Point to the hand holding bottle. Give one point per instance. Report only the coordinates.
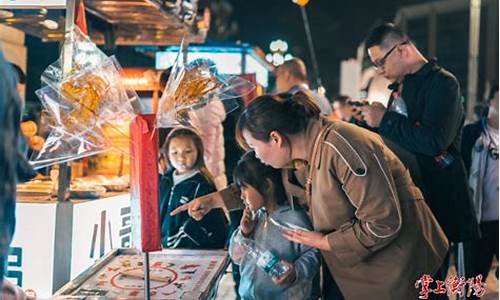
(288, 277)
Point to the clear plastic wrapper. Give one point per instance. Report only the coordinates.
(82, 53)
(192, 86)
(80, 101)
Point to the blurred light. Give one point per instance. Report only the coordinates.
(321, 90)
(55, 35)
(301, 2)
(269, 57)
(50, 24)
(135, 81)
(288, 56)
(273, 46)
(278, 46)
(6, 14)
(282, 46)
(278, 59)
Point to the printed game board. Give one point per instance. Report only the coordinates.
(174, 274)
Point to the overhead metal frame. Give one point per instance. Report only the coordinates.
(123, 22)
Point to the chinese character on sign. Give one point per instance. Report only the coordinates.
(14, 266)
(126, 227)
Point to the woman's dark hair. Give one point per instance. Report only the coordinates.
(267, 180)
(286, 113)
(198, 143)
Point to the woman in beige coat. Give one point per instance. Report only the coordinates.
(376, 234)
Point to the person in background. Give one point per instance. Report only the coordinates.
(24, 170)
(291, 77)
(21, 81)
(186, 179)
(347, 110)
(341, 108)
(480, 154)
(231, 158)
(362, 201)
(425, 116)
(265, 198)
(10, 114)
(208, 122)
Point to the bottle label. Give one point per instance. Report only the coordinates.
(267, 261)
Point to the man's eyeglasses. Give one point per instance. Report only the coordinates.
(379, 64)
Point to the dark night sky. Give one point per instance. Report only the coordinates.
(337, 28)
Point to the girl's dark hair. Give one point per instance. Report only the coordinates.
(250, 171)
(286, 113)
(198, 143)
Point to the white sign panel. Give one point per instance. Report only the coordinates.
(350, 73)
(23, 4)
(98, 227)
(227, 63)
(31, 256)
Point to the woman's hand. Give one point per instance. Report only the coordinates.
(199, 207)
(289, 276)
(309, 238)
(247, 223)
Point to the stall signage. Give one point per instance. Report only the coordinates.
(31, 256)
(98, 227)
(32, 4)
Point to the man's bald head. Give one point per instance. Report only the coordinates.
(295, 67)
(292, 72)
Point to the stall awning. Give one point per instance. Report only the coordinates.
(121, 22)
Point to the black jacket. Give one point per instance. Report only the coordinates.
(434, 126)
(181, 231)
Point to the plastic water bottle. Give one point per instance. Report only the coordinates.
(268, 262)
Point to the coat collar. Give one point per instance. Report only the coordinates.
(421, 73)
(312, 131)
(424, 70)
